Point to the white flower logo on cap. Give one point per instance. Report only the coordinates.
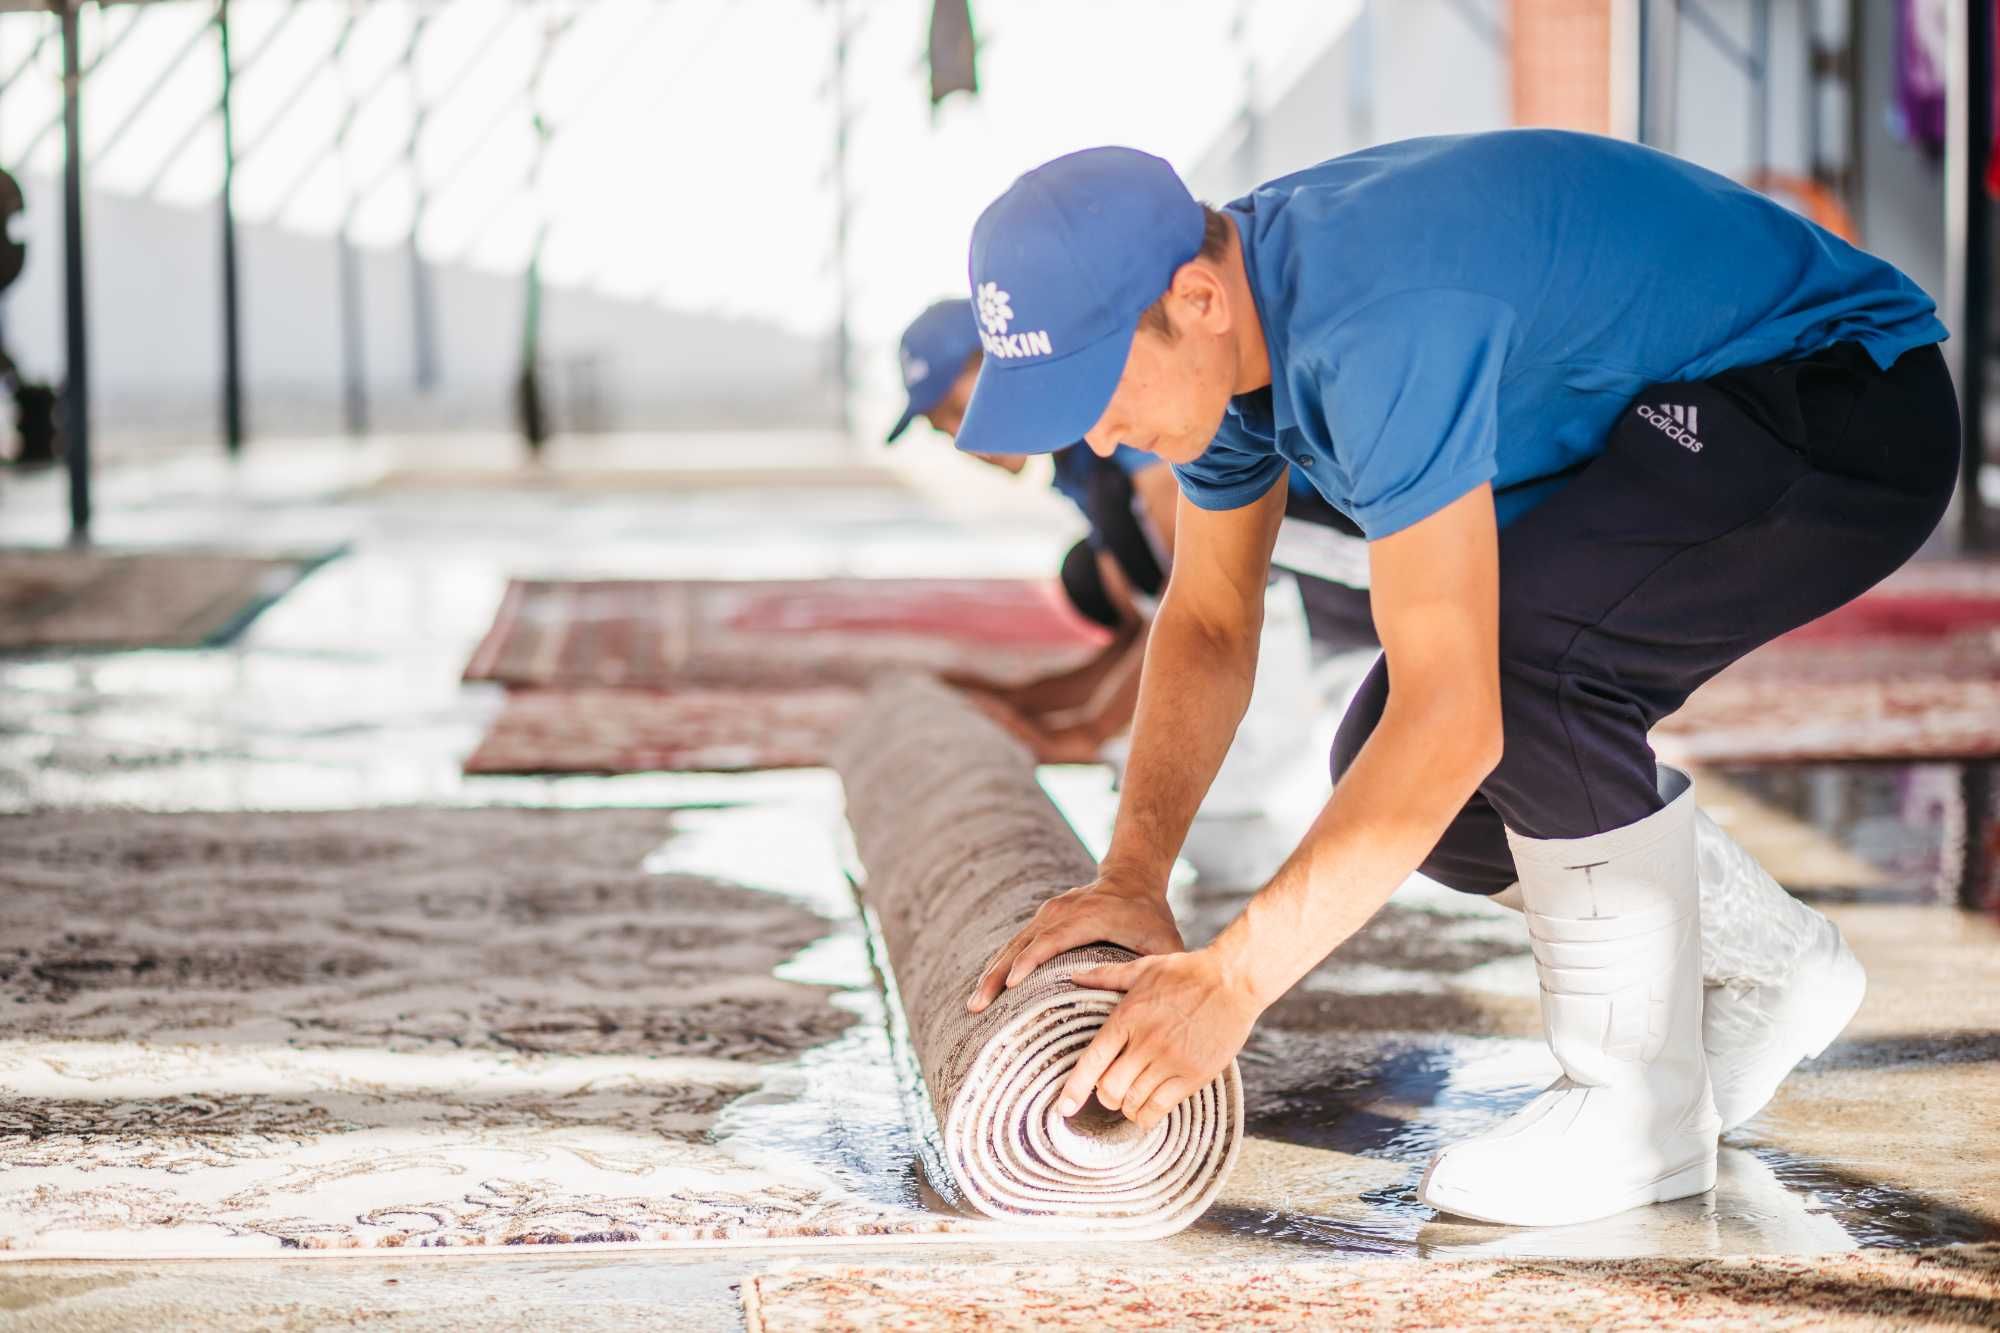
(915, 368)
(994, 311)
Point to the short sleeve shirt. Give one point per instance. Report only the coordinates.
(1453, 311)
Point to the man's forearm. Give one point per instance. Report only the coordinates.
(1193, 690)
(1409, 781)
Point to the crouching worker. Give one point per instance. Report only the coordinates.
(1609, 422)
(1112, 577)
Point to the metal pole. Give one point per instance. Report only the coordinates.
(422, 316)
(1978, 265)
(1760, 57)
(530, 400)
(232, 308)
(103, 52)
(76, 373)
(1812, 83)
(1643, 111)
(353, 368)
(1968, 234)
(843, 337)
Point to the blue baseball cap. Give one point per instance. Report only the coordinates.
(1063, 265)
(934, 349)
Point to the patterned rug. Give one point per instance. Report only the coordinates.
(1909, 671)
(777, 634)
(694, 729)
(1933, 1289)
(162, 599)
(244, 1034)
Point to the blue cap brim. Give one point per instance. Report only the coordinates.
(1043, 406)
(902, 424)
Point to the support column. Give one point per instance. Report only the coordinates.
(353, 334)
(843, 206)
(1968, 145)
(232, 339)
(76, 371)
(423, 319)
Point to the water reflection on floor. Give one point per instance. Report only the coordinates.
(1421, 1030)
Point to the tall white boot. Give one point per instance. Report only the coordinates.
(1615, 922)
(1779, 981)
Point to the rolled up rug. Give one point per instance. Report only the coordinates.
(957, 846)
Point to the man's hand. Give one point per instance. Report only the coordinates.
(1183, 1019)
(1104, 910)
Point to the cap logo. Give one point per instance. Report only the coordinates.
(996, 312)
(915, 368)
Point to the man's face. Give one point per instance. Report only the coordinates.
(949, 414)
(1172, 396)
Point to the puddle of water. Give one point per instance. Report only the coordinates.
(838, 1116)
(1915, 822)
(1875, 1214)
(835, 1116)
(790, 848)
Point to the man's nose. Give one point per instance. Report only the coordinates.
(1102, 441)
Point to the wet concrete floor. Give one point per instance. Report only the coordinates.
(346, 694)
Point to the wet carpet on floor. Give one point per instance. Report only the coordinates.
(240, 1034)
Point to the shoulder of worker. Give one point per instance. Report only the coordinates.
(1342, 238)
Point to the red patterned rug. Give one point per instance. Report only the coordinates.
(778, 634)
(691, 729)
(1911, 671)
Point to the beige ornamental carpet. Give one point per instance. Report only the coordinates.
(245, 1034)
(1873, 1289)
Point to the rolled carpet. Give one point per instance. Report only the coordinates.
(957, 847)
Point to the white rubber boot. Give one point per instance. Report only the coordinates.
(1779, 982)
(1615, 922)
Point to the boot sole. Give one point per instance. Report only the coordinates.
(1842, 1003)
(1695, 1178)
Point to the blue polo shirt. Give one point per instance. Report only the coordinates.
(1480, 308)
(1075, 466)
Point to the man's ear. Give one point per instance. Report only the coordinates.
(1202, 297)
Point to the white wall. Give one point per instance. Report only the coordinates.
(1414, 67)
(154, 292)
(1404, 68)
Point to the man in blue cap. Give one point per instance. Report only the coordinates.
(1112, 576)
(1608, 422)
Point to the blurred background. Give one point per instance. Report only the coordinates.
(543, 218)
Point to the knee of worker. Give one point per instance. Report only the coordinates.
(1363, 712)
(1083, 584)
(1575, 760)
